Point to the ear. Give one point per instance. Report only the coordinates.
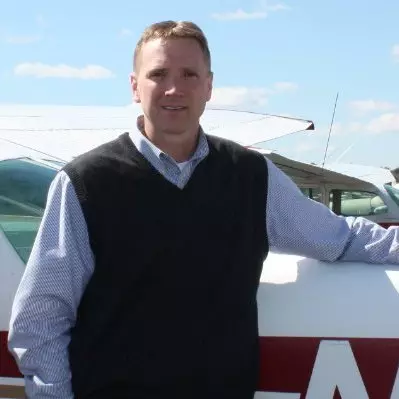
(210, 86)
(134, 86)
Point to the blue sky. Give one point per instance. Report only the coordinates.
(276, 57)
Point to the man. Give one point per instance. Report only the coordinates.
(143, 278)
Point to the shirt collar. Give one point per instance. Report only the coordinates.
(145, 146)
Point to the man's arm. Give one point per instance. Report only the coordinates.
(298, 225)
(47, 298)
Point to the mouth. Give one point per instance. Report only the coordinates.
(173, 108)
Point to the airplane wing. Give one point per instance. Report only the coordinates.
(65, 132)
(62, 145)
(372, 174)
(250, 128)
(59, 132)
(302, 172)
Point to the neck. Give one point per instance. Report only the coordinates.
(178, 146)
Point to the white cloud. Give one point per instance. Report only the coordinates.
(355, 127)
(40, 70)
(363, 107)
(395, 52)
(284, 87)
(240, 14)
(278, 7)
(337, 129)
(239, 97)
(340, 129)
(385, 123)
(22, 39)
(388, 122)
(125, 32)
(248, 98)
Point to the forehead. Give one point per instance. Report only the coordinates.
(165, 53)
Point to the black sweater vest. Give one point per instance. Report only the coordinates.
(170, 310)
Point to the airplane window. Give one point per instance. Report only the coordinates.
(356, 203)
(393, 192)
(23, 193)
(312, 192)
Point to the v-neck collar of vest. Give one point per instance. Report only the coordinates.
(147, 166)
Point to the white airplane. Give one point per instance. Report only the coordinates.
(326, 331)
(345, 190)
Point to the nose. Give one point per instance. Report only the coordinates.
(173, 87)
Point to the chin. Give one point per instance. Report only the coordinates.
(176, 128)
(175, 131)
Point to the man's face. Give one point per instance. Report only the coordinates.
(173, 83)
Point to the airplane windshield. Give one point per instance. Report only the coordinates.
(24, 185)
(393, 193)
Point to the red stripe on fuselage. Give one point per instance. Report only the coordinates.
(287, 363)
(387, 224)
(8, 367)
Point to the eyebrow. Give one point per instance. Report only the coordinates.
(190, 69)
(163, 70)
(155, 70)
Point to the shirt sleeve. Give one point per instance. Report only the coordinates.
(301, 226)
(45, 305)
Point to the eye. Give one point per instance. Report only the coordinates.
(156, 74)
(190, 74)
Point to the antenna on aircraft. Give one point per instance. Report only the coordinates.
(32, 149)
(329, 133)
